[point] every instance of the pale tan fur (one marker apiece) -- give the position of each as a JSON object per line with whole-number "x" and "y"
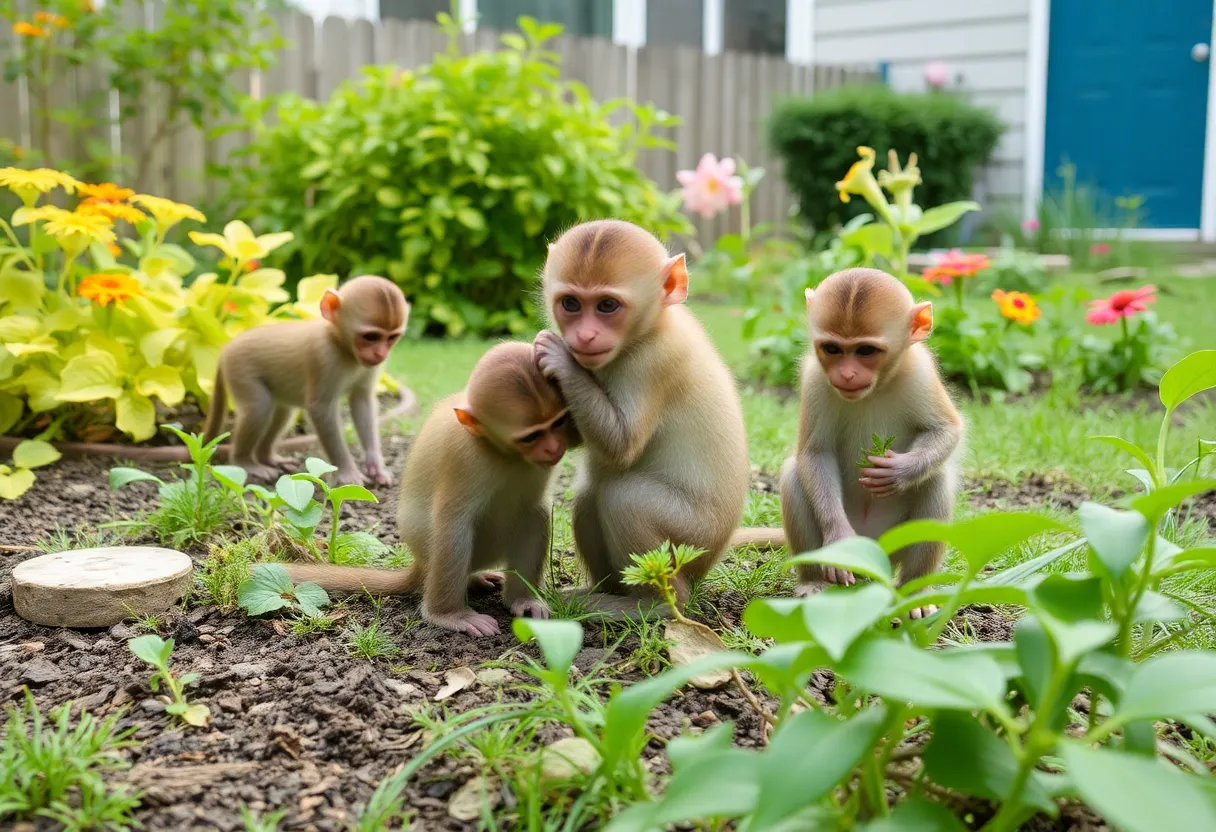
{"x": 468, "y": 503}
{"x": 272, "y": 371}
{"x": 822, "y": 499}
{"x": 666, "y": 450}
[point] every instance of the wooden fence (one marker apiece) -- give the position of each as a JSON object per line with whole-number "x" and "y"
{"x": 722, "y": 100}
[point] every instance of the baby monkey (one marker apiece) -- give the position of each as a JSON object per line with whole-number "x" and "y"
{"x": 475, "y": 493}
{"x": 868, "y": 373}
{"x": 272, "y": 370}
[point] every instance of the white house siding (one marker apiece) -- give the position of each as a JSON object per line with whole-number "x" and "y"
{"x": 984, "y": 42}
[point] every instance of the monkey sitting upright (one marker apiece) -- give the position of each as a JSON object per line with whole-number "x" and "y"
{"x": 475, "y": 493}
{"x": 868, "y": 373}
{"x": 272, "y": 370}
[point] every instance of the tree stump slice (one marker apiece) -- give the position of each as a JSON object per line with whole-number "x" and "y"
{"x": 99, "y": 587}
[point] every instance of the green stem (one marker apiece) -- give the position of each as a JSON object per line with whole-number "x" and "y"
{"x": 1159, "y": 476}
{"x": 17, "y": 245}
{"x": 1146, "y": 574}
{"x": 745, "y": 220}
{"x": 333, "y": 529}
{"x": 68, "y": 262}
{"x": 958, "y": 293}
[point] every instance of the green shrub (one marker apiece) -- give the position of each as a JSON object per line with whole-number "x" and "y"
{"x": 451, "y": 179}
{"x": 817, "y": 138}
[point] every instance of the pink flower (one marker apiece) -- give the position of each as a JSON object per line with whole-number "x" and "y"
{"x": 954, "y": 264}
{"x": 712, "y": 187}
{"x": 1122, "y": 304}
{"x": 1031, "y": 225}
{"x": 937, "y": 73}
{"x": 1099, "y": 249}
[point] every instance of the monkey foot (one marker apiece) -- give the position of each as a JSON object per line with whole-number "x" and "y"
{"x": 378, "y": 472}
{"x": 923, "y": 612}
{"x": 487, "y": 581}
{"x": 467, "y": 621}
{"x": 529, "y": 608}
{"x": 263, "y": 473}
{"x": 836, "y": 575}
{"x": 351, "y": 477}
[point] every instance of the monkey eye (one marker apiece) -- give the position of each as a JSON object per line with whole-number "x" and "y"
{"x": 867, "y": 350}
{"x": 607, "y": 306}
{"x": 831, "y": 349}
{"x": 371, "y": 337}
{"x": 561, "y": 420}
{"x": 571, "y": 304}
{"x": 531, "y": 437}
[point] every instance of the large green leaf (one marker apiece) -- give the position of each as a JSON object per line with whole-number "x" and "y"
{"x": 916, "y": 814}
{"x": 1117, "y": 537}
{"x": 1154, "y": 607}
{"x": 1139, "y": 794}
{"x": 838, "y": 615}
{"x": 135, "y": 415}
{"x": 232, "y": 477}
{"x": 896, "y": 670}
{"x": 858, "y": 554}
{"x": 1191, "y": 375}
{"x": 34, "y": 453}
{"x": 559, "y": 641}
{"x": 311, "y": 598}
{"x": 268, "y": 590}
{"x": 309, "y": 518}
{"x": 1170, "y": 686}
{"x": 296, "y": 493}
{"x": 1185, "y": 560}
{"x": 164, "y": 382}
{"x": 91, "y": 377}
{"x": 777, "y": 618}
{"x": 965, "y": 756}
{"x": 11, "y": 407}
{"x": 943, "y": 216}
{"x": 1156, "y": 503}
{"x": 318, "y": 467}
{"x": 1036, "y": 657}
{"x": 152, "y": 649}
{"x": 1136, "y": 451}
{"x": 352, "y": 492}
{"x": 124, "y": 476}
{"x": 785, "y": 668}
{"x": 1068, "y": 598}
{"x": 722, "y": 784}
{"x": 979, "y": 540}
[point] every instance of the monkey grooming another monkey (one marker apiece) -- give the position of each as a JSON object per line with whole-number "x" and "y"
{"x": 657, "y": 409}
{"x": 272, "y": 370}
{"x": 868, "y": 373}
{"x": 475, "y": 493}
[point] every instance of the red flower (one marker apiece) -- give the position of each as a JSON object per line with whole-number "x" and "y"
{"x": 954, "y": 264}
{"x": 1122, "y": 304}
{"x": 1099, "y": 249}
{"x": 254, "y": 265}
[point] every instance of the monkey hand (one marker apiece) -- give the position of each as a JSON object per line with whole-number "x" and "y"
{"x": 890, "y": 475}
{"x": 553, "y": 356}
{"x": 350, "y": 476}
{"x": 378, "y": 471}
{"x": 529, "y": 608}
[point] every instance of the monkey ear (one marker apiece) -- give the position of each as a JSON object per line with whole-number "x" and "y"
{"x": 810, "y": 295}
{"x": 466, "y": 418}
{"x": 922, "y": 320}
{"x": 675, "y": 281}
{"x": 329, "y": 305}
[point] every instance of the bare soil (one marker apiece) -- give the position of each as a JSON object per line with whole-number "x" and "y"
{"x": 298, "y": 722}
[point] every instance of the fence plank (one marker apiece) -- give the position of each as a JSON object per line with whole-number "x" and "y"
{"x": 334, "y": 65}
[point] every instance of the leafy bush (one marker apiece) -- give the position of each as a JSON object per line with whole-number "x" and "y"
{"x": 816, "y": 138}
{"x": 452, "y": 178}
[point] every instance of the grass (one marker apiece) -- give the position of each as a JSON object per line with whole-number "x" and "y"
{"x": 370, "y": 641}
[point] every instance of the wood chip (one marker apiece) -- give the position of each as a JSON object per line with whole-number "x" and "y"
{"x": 455, "y": 680}
{"x": 467, "y": 802}
{"x": 691, "y": 642}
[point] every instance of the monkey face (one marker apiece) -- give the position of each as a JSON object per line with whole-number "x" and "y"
{"x": 593, "y": 324}
{"x": 546, "y": 444}
{"x": 853, "y": 368}
{"x": 372, "y": 346}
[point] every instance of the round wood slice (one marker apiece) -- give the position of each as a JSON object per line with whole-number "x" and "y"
{"x": 99, "y": 587}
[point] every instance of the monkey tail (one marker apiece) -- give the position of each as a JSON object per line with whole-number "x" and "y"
{"x": 765, "y": 538}
{"x": 358, "y": 579}
{"x": 218, "y": 409}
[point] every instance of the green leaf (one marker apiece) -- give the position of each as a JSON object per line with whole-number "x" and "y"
{"x": 1122, "y": 444}
{"x": 1075, "y": 639}
{"x": 916, "y": 814}
{"x": 809, "y": 755}
{"x": 34, "y": 453}
{"x": 390, "y": 197}
{"x": 943, "y": 216}
{"x": 838, "y": 615}
{"x": 231, "y": 477}
{"x": 471, "y": 219}
{"x": 90, "y": 377}
{"x": 559, "y": 641}
{"x": 352, "y": 492}
{"x": 979, "y": 540}
{"x": 1138, "y": 794}
{"x": 965, "y": 756}
{"x": 1017, "y": 575}
{"x": 124, "y": 476}
{"x": 1191, "y": 375}
{"x": 152, "y": 649}
{"x": 1067, "y": 598}
{"x": 1203, "y": 557}
{"x": 721, "y": 784}
{"x": 1156, "y": 503}
{"x": 1036, "y": 657}
{"x": 311, "y": 598}
{"x": 318, "y": 467}
{"x": 785, "y": 668}
{"x": 858, "y": 554}
{"x": 1117, "y": 537}
{"x": 1170, "y": 686}
{"x": 11, "y": 408}
{"x": 296, "y": 493}
{"x": 309, "y": 518}
{"x": 874, "y": 239}
{"x": 777, "y": 618}
{"x": 265, "y": 591}
{"x": 897, "y": 670}
{"x": 1155, "y": 607}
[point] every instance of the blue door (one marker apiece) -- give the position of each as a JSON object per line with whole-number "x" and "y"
{"x": 1127, "y": 88}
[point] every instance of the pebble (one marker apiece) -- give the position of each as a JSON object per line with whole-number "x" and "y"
{"x": 403, "y": 689}
{"x": 74, "y": 641}
{"x": 232, "y": 704}
{"x": 102, "y": 645}
{"x": 207, "y": 639}
{"x": 122, "y": 632}
{"x": 262, "y": 708}
{"x": 247, "y": 670}
{"x": 153, "y": 706}
{"x": 40, "y": 672}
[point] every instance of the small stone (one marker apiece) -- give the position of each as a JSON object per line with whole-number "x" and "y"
{"x": 207, "y": 639}
{"x": 102, "y": 645}
{"x": 262, "y": 708}
{"x": 254, "y": 683}
{"x": 80, "y": 489}
{"x": 567, "y": 758}
{"x": 206, "y": 629}
{"x": 494, "y": 677}
{"x": 122, "y": 632}
{"x": 403, "y": 689}
{"x": 74, "y": 641}
{"x": 705, "y": 719}
{"x": 32, "y": 646}
{"x": 231, "y": 704}
{"x": 153, "y": 706}
{"x": 40, "y": 672}
{"x": 469, "y": 799}
{"x": 248, "y": 670}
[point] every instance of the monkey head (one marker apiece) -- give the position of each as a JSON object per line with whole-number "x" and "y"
{"x": 861, "y": 322}
{"x": 368, "y": 315}
{"x": 512, "y": 406}
{"x": 605, "y": 282}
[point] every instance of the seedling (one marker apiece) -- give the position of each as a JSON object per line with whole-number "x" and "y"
{"x": 878, "y": 448}
{"x": 271, "y": 589}
{"x": 155, "y": 651}
{"x": 302, "y": 514}
{"x": 370, "y": 642}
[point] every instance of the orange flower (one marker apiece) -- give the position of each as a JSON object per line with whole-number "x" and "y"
{"x": 56, "y": 20}
{"x": 954, "y": 264}
{"x": 231, "y": 306}
{"x": 111, "y": 210}
{"x": 107, "y": 192}
{"x": 29, "y": 30}
{"x": 114, "y": 249}
{"x": 109, "y": 287}
{"x": 1017, "y": 306}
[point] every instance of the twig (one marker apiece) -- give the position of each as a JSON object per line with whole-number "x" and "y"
{"x": 751, "y": 698}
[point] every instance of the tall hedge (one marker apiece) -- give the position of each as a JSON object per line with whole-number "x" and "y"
{"x": 817, "y": 138}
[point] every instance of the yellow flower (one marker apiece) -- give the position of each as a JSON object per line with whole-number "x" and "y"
{"x": 57, "y": 20}
{"x": 109, "y": 287}
{"x": 27, "y": 184}
{"x": 29, "y": 30}
{"x": 1017, "y": 306}
{"x": 860, "y": 180}
{"x": 166, "y": 212}
{"x": 73, "y": 231}
{"x": 239, "y": 243}
{"x": 111, "y": 210}
{"x": 107, "y": 192}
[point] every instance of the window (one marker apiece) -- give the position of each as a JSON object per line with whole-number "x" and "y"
{"x": 675, "y": 21}
{"x": 754, "y": 26}
{"x": 578, "y": 17}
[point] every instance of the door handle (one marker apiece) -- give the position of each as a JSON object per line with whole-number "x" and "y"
{"x": 1200, "y": 52}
